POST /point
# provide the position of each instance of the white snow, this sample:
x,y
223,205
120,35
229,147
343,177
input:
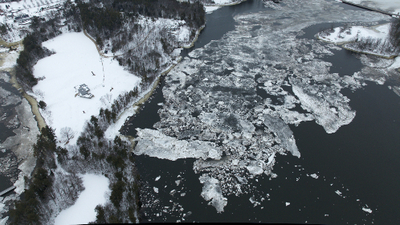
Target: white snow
x,y
350,36
30,8
396,63
178,28
75,59
9,59
210,9
222,2
183,34
82,212
3,221
113,129
386,5
341,35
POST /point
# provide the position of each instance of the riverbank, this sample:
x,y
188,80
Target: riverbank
x,y
363,6
359,39
8,63
134,109
17,160
209,7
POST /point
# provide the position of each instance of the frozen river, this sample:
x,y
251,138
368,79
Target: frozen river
x,y
266,123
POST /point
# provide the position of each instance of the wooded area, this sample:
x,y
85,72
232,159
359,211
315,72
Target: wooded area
x,y
49,191
395,33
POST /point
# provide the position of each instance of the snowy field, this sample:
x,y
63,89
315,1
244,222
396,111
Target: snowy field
x,y
392,6
75,62
82,212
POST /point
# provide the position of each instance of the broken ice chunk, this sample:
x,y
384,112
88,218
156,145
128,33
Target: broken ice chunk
x,y
212,192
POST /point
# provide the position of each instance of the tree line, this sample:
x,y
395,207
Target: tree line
x,y
28,209
394,34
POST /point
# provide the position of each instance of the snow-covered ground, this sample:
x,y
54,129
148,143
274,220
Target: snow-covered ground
x,y
8,59
29,6
369,40
17,14
210,7
341,35
83,211
392,6
75,62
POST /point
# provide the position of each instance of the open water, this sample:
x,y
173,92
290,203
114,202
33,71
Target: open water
x,y
336,177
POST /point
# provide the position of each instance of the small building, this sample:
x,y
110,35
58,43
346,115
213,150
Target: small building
x,y
83,91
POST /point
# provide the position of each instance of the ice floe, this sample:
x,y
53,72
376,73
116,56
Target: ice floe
x,y
212,192
229,104
366,209
156,144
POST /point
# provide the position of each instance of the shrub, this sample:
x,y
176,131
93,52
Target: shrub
x,y
42,105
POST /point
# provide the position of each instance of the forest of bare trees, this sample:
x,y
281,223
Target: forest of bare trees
x,y
395,33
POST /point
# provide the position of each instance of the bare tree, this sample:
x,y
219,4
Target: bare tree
x,y
66,134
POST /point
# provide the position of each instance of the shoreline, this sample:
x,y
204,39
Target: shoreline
x,y
370,9
341,44
154,85
13,81
222,5
32,101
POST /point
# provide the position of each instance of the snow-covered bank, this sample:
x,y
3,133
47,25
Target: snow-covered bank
x,y
76,62
216,4
83,211
368,40
392,6
340,35
16,15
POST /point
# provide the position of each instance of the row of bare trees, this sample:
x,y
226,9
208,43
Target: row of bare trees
x,y
394,34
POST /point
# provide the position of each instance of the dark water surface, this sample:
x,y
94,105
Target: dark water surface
x,y
221,21
336,177
364,154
